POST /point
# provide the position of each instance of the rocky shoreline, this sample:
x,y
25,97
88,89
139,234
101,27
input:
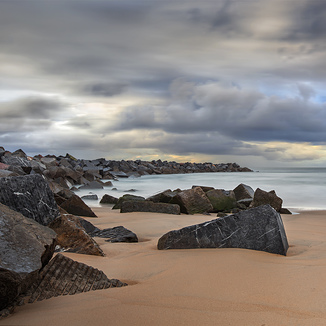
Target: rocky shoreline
x,y
41,214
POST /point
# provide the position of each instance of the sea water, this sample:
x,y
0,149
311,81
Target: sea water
x,y
300,188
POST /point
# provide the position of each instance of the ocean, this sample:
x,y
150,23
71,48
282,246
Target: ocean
x,y
300,188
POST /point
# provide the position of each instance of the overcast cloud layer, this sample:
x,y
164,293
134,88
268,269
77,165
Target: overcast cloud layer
x,y
213,81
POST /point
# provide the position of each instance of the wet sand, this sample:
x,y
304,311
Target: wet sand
x,y
198,286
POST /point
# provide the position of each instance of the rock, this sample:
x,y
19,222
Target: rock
x,y
262,197
92,185
157,197
17,161
125,198
10,284
116,234
204,188
192,201
64,276
107,199
88,226
259,228
75,206
285,211
119,174
25,247
7,173
31,196
108,184
49,161
90,197
243,191
221,200
72,237
149,206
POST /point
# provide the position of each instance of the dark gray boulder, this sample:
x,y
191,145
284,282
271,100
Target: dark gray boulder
x,y
126,198
259,228
92,185
262,197
243,191
18,161
221,200
25,247
192,201
149,206
31,196
116,234
90,197
107,199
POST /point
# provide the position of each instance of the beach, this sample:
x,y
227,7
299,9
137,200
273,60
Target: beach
x,y
198,286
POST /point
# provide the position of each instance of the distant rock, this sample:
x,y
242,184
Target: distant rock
x,y
31,196
126,197
107,199
243,191
116,234
192,201
259,228
262,197
92,185
149,206
90,197
221,200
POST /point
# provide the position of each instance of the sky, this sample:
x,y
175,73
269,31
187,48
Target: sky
x,y
203,81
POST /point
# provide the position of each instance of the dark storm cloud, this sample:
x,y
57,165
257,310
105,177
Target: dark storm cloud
x,y
31,113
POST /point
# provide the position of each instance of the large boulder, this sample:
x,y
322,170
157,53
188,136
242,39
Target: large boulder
x,y
31,196
72,237
25,247
192,201
258,228
126,197
262,197
243,191
221,200
75,206
17,161
149,206
107,199
63,276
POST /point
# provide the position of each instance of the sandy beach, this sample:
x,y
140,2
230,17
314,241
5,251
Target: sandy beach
x,y
199,286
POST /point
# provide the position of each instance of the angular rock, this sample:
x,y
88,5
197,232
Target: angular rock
x,y
72,237
10,285
92,185
221,200
17,161
90,197
204,188
107,199
88,226
63,276
262,197
243,191
116,234
125,198
31,196
149,206
192,201
259,228
75,206
25,247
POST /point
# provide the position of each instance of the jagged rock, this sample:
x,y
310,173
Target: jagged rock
x,y
262,197
49,161
92,185
243,191
107,199
192,201
31,196
10,285
149,206
204,188
88,226
116,234
75,206
20,162
259,228
72,237
25,247
221,200
7,173
63,276
285,211
125,198
157,197
90,197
